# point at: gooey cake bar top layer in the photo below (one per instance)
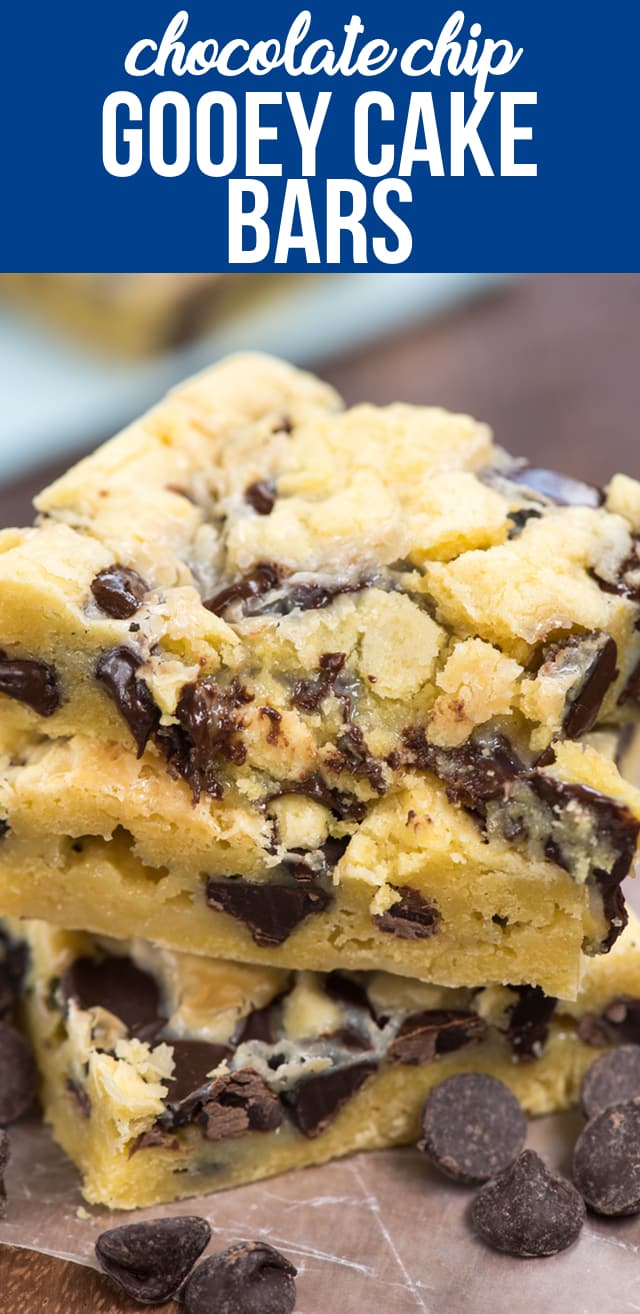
(280, 600)
(215, 1072)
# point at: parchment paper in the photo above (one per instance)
(379, 1233)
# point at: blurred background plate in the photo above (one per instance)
(60, 395)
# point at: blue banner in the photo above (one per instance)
(138, 136)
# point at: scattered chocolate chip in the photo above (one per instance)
(116, 984)
(475, 772)
(274, 717)
(305, 597)
(614, 1078)
(315, 1101)
(119, 591)
(263, 578)
(435, 1031)
(606, 1160)
(352, 755)
(528, 1212)
(193, 1060)
(248, 1278)
(30, 682)
(269, 909)
(117, 671)
(18, 1075)
(79, 1098)
(529, 1021)
(412, 917)
(261, 495)
(236, 1103)
(208, 729)
(151, 1260)
(472, 1127)
(556, 487)
(4, 1159)
(308, 694)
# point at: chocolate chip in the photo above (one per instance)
(308, 694)
(117, 671)
(193, 1060)
(631, 691)
(4, 1159)
(237, 1103)
(412, 917)
(119, 591)
(606, 1160)
(154, 1138)
(529, 1021)
(345, 990)
(151, 1260)
(270, 910)
(596, 655)
(304, 597)
(474, 773)
(248, 1278)
(622, 1019)
(614, 1078)
(315, 1101)
(627, 582)
(556, 487)
(261, 495)
(274, 717)
(259, 1025)
(520, 518)
(591, 1030)
(18, 1075)
(209, 724)
(472, 1127)
(30, 682)
(116, 984)
(528, 1212)
(352, 755)
(343, 805)
(263, 578)
(435, 1031)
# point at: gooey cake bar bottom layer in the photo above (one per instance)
(166, 1075)
(356, 654)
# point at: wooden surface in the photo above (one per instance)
(553, 364)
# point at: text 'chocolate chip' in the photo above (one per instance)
(472, 1127)
(151, 1260)
(248, 1278)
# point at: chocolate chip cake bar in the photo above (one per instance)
(165, 1075)
(126, 313)
(311, 686)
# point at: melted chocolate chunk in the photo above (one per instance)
(344, 990)
(353, 756)
(528, 1212)
(627, 585)
(606, 1162)
(599, 674)
(263, 578)
(435, 1031)
(271, 910)
(79, 1097)
(117, 671)
(193, 1060)
(259, 1025)
(614, 1078)
(308, 694)
(154, 1138)
(237, 1103)
(343, 805)
(4, 1159)
(556, 487)
(314, 864)
(412, 918)
(151, 1260)
(474, 773)
(119, 591)
(274, 717)
(209, 723)
(529, 1021)
(261, 495)
(316, 1101)
(18, 1075)
(30, 682)
(304, 597)
(248, 1278)
(472, 1127)
(116, 984)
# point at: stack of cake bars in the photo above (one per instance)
(313, 728)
